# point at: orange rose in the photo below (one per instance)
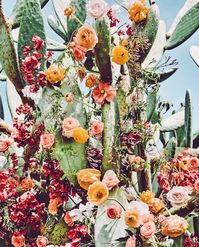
(97, 193)
(54, 205)
(88, 176)
(156, 206)
(147, 196)
(138, 11)
(18, 240)
(174, 226)
(26, 184)
(132, 218)
(120, 55)
(55, 74)
(41, 241)
(80, 135)
(47, 140)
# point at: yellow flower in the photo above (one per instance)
(120, 55)
(147, 196)
(157, 206)
(132, 218)
(69, 11)
(86, 177)
(138, 11)
(55, 74)
(80, 135)
(98, 193)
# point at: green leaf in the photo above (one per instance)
(151, 104)
(17, 12)
(188, 120)
(31, 24)
(185, 24)
(56, 27)
(194, 52)
(1, 109)
(107, 230)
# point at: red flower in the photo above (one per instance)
(103, 92)
(38, 42)
(30, 64)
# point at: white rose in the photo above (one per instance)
(96, 9)
(178, 196)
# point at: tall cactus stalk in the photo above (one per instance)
(188, 120)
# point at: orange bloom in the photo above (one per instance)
(69, 11)
(157, 205)
(103, 92)
(18, 240)
(138, 11)
(132, 218)
(91, 80)
(55, 74)
(86, 37)
(98, 193)
(86, 177)
(54, 205)
(80, 135)
(174, 226)
(120, 55)
(147, 196)
(26, 184)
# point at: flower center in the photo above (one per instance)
(99, 195)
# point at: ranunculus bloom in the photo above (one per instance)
(68, 126)
(86, 37)
(178, 196)
(91, 80)
(196, 185)
(68, 219)
(47, 140)
(88, 176)
(111, 181)
(103, 92)
(114, 211)
(96, 128)
(120, 55)
(18, 240)
(174, 226)
(156, 206)
(148, 229)
(55, 74)
(132, 218)
(54, 205)
(138, 11)
(41, 241)
(4, 145)
(131, 242)
(96, 8)
(80, 135)
(98, 193)
(147, 196)
(26, 184)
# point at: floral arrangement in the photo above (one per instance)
(92, 158)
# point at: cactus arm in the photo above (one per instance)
(188, 120)
(55, 46)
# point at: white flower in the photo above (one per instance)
(96, 9)
(34, 96)
(141, 207)
(178, 196)
(84, 211)
(115, 9)
(3, 161)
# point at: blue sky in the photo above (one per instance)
(187, 76)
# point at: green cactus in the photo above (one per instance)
(188, 120)
(171, 148)
(1, 109)
(57, 28)
(151, 104)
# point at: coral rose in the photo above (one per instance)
(131, 242)
(18, 239)
(147, 196)
(88, 176)
(148, 229)
(111, 181)
(98, 193)
(79, 52)
(4, 145)
(80, 135)
(96, 128)
(68, 219)
(138, 11)
(55, 74)
(86, 37)
(178, 196)
(120, 55)
(54, 205)
(96, 8)
(47, 140)
(26, 184)
(68, 126)
(41, 241)
(174, 226)
(114, 211)
(132, 218)
(156, 206)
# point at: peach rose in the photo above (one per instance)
(114, 211)
(47, 140)
(111, 181)
(41, 241)
(148, 229)
(131, 242)
(68, 125)
(98, 193)
(96, 128)
(86, 37)
(4, 145)
(178, 196)
(132, 218)
(54, 205)
(68, 219)
(18, 240)
(196, 185)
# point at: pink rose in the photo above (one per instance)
(47, 140)
(18, 239)
(96, 128)
(148, 229)
(96, 9)
(114, 211)
(196, 185)
(68, 125)
(41, 241)
(111, 181)
(146, 218)
(131, 242)
(193, 163)
(4, 145)
(177, 196)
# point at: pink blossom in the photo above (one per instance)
(68, 125)
(148, 229)
(96, 128)
(131, 242)
(96, 8)
(196, 185)
(114, 211)
(177, 196)
(111, 181)
(47, 140)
